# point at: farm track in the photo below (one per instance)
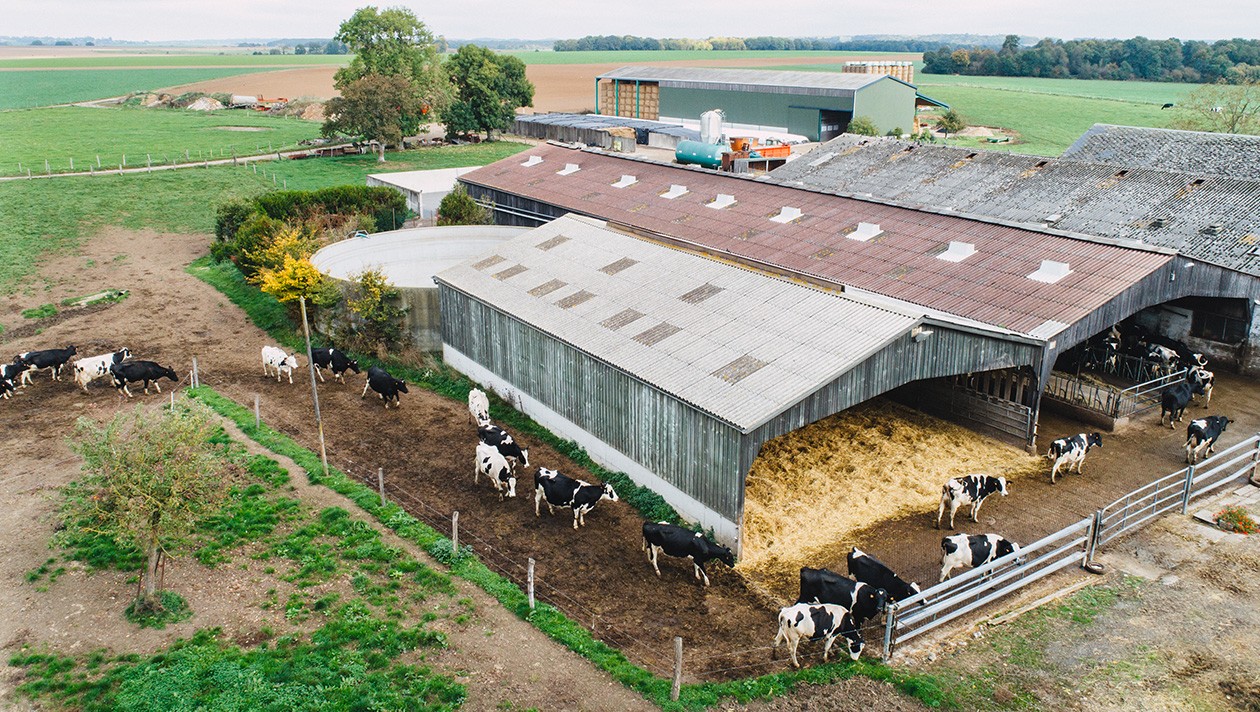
(597, 575)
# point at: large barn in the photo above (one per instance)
(816, 105)
(1195, 193)
(985, 307)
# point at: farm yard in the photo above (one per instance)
(869, 476)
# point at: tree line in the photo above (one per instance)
(614, 43)
(1234, 61)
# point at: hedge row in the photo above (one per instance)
(387, 207)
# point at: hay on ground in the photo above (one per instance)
(876, 461)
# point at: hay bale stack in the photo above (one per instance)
(809, 491)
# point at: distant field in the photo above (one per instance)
(44, 217)
(1047, 123)
(26, 89)
(59, 134)
(178, 60)
(638, 56)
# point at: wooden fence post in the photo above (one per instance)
(455, 533)
(380, 483)
(310, 363)
(257, 412)
(530, 581)
(677, 686)
(196, 377)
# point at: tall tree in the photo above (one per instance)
(381, 108)
(151, 474)
(394, 43)
(488, 88)
(1227, 108)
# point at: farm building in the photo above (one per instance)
(815, 105)
(994, 303)
(1209, 215)
(615, 133)
(424, 190)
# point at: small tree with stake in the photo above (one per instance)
(150, 475)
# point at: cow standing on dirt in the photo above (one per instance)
(492, 464)
(863, 600)
(275, 358)
(51, 359)
(479, 408)
(1071, 451)
(559, 490)
(681, 542)
(868, 569)
(332, 359)
(817, 621)
(974, 550)
(1202, 434)
(384, 385)
(973, 490)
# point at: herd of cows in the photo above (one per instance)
(829, 605)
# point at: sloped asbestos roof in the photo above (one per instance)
(991, 286)
(740, 345)
(1214, 218)
(1220, 154)
(754, 80)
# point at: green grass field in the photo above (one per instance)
(26, 89)
(44, 217)
(82, 133)
(270, 61)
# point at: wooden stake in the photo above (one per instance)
(677, 686)
(455, 532)
(310, 364)
(530, 575)
(257, 412)
(380, 483)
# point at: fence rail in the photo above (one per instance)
(1076, 543)
(1107, 399)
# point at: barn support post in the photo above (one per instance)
(310, 364)
(677, 686)
(1185, 491)
(890, 622)
(530, 583)
(380, 483)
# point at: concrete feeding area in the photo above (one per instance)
(409, 259)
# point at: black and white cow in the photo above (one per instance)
(18, 372)
(818, 621)
(868, 569)
(973, 550)
(863, 600)
(1174, 399)
(973, 490)
(6, 388)
(51, 359)
(1202, 434)
(1202, 381)
(89, 369)
(1071, 451)
(678, 541)
(498, 437)
(137, 371)
(479, 407)
(564, 491)
(336, 361)
(492, 464)
(1165, 360)
(277, 359)
(384, 385)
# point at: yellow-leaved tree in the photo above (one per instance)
(297, 243)
(297, 278)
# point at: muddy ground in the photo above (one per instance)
(597, 575)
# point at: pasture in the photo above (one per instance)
(82, 134)
(700, 57)
(21, 89)
(52, 216)
(199, 59)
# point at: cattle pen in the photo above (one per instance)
(1076, 544)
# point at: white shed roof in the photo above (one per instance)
(437, 180)
(738, 344)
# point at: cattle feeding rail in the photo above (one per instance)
(1077, 543)
(1107, 399)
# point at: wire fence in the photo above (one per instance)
(142, 161)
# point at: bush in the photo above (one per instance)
(376, 318)
(1236, 519)
(862, 126)
(229, 217)
(459, 208)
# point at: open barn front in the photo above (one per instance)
(811, 490)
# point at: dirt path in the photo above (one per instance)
(169, 316)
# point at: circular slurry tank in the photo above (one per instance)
(409, 259)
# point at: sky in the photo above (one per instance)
(156, 20)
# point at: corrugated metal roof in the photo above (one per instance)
(990, 286)
(810, 83)
(1165, 208)
(742, 355)
(1221, 154)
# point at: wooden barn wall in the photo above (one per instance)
(945, 352)
(690, 449)
(514, 210)
(1199, 280)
